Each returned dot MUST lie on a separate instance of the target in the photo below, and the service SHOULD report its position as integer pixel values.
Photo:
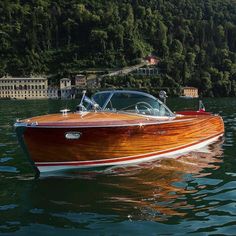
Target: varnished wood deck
(96, 119)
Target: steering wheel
(143, 105)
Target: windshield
(101, 98)
(130, 101)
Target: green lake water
(194, 194)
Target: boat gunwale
(62, 125)
(142, 120)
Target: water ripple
(5, 159)
(7, 207)
(194, 194)
(11, 169)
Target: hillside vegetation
(195, 39)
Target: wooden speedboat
(115, 128)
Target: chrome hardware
(73, 135)
(201, 106)
(64, 111)
(92, 103)
(34, 123)
(81, 107)
(163, 95)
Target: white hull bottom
(44, 167)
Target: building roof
(152, 60)
(65, 79)
(79, 75)
(23, 78)
(189, 88)
(151, 57)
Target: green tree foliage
(195, 40)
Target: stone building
(23, 88)
(80, 81)
(190, 92)
(147, 71)
(53, 92)
(65, 88)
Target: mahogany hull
(126, 142)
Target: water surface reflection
(155, 191)
(193, 194)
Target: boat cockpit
(125, 101)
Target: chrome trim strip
(146, 116)
(101, 126)
(20, 124)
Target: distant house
(93, 81)
(65, 83)
(65, 88)
(80, 81)
(190, 92)
(53, 92)
(147, 71)
(151, 68)
(151, 60)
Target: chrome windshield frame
(112, 92)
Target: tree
(195, 40)
(98, 39)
